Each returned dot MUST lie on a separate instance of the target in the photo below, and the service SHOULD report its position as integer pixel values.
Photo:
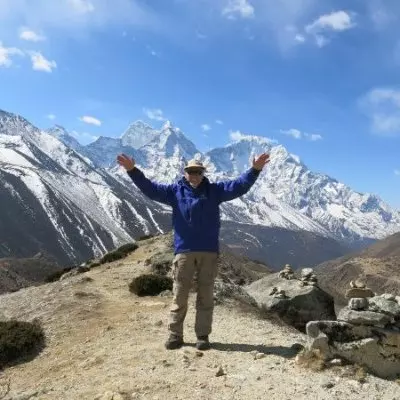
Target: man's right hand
(125, 161)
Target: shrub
(19, 339)
(95, 264)
(58, 274)
(150, 285)
(112, 256)
(144, 237)
(127, 248)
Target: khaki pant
(185, 266)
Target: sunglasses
(198, 172)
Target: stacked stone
(358, 295)
(287, 272)
(308, 277)
(278, 293)
(366, 332)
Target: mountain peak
(138, 134)
(167, 125)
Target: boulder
(358, 303)
(300, 305)
(378, 350)
(363, 317)
(382, 305)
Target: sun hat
(194, 164)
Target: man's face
(194, 176)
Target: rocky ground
(103, 342)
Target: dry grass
(312, 359)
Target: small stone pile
(308, 277)
(287, 272)
(366, 331)
(278, 293)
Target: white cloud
(300, 38)
(51, 116)
(206, 127)
(6, 54)
(237, 135)
(90, 120)
(40, 63)
(337, 21)
(201, 36)
(75, 16)
(81, 6)
(313, 136)
(29, 35)
(219, 122)
(296, 134)
(397, 172)
(241, 8)
(155, 114)
(382, 107)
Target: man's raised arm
(233, 189)
(155, 191)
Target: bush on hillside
(19, 339)
(112, 256)
(144, 237)
(119, 253)
(150, 285)
(58, 274)
(127, 248)
(95, 264)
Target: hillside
(103, 342)
(378, 265)
(16, 273)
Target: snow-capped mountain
(74, 201)
(138, 135)
(287, 193)
(54, 199)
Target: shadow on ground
(282, 351)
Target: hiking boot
(203, 343)
(174, 342)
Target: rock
(25, 395)
(301, 304)
(358, 283)
(328, 385)
(356, 303)
(363, 317)
(378, 350)
(359, 293)
(258, 356)
(389, 296)
(224, 290)
(306, 272)
(166, 293)
(383, 305)
(220, 371)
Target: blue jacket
(195, 211)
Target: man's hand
(125, 161)
(260, 161)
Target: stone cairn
(308, 278)
(287, 272)
(278, 293)
(367, 331)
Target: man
(196, 221)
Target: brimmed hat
(194, 164)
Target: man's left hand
(260, 161)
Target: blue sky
(320, 77)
